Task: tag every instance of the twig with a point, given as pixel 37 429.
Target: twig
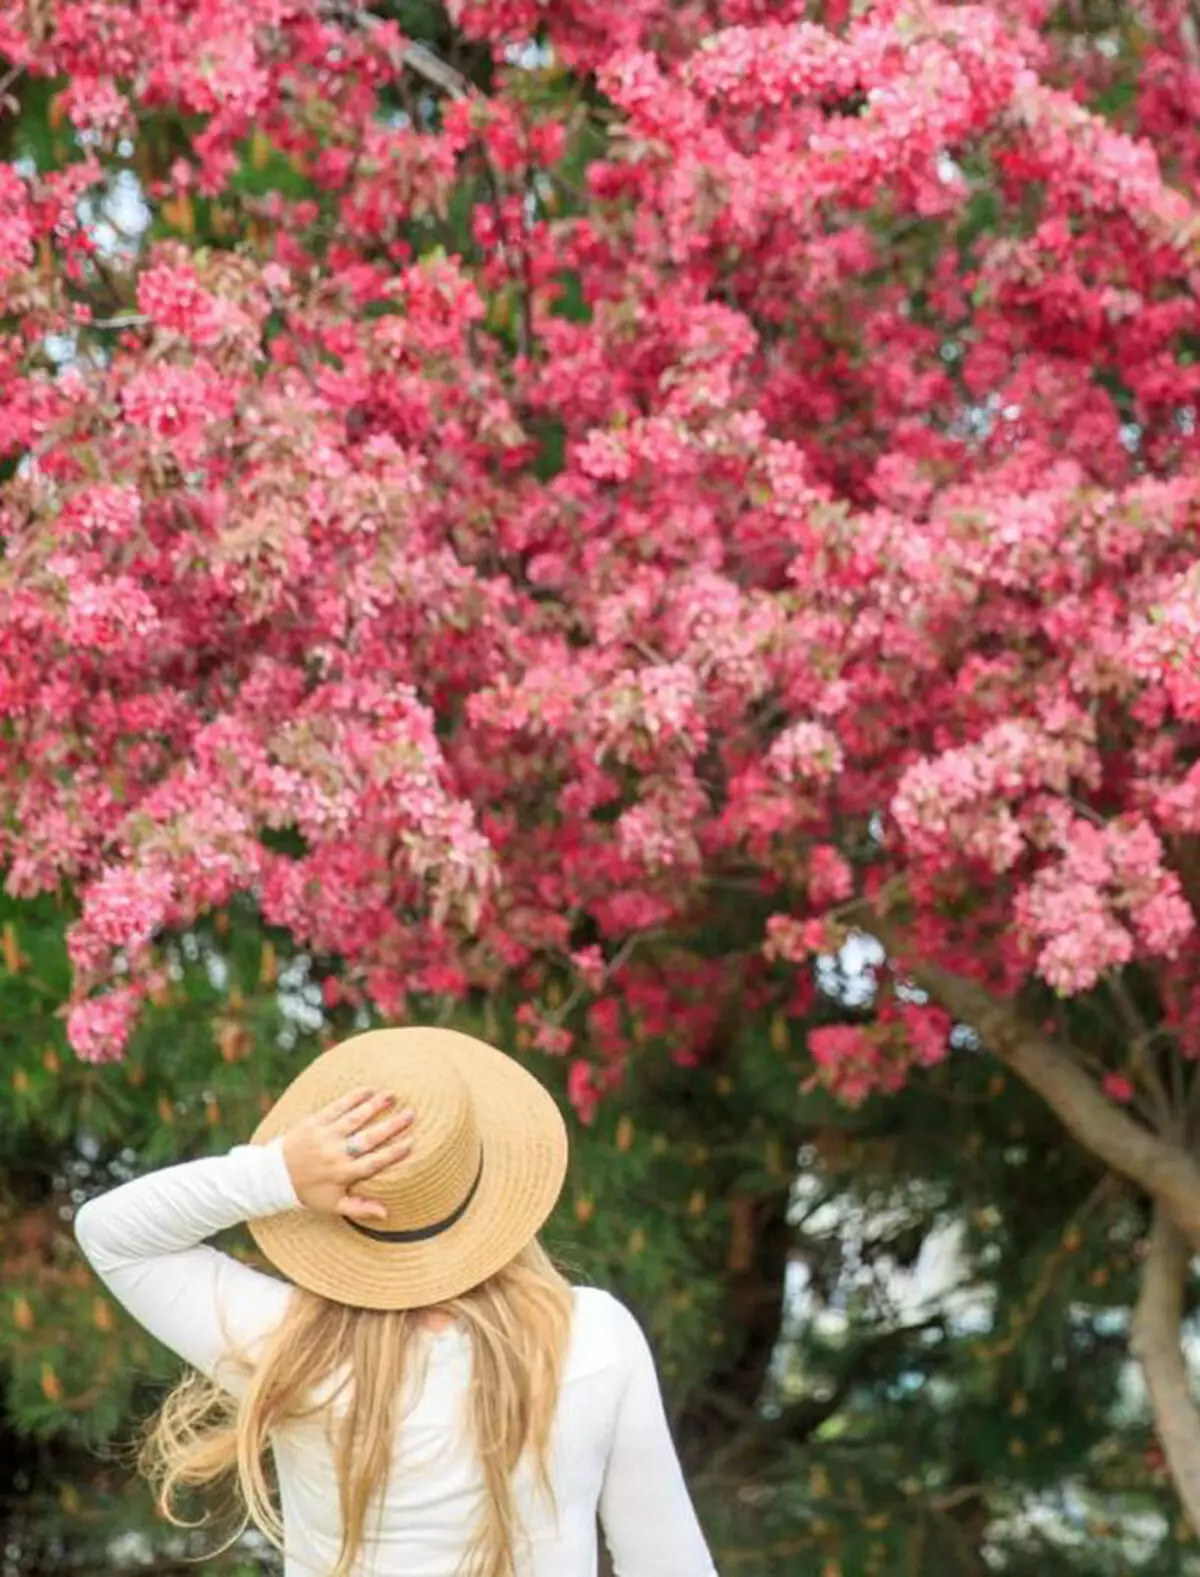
pixel 1107 1187
pixel 956 1497
pixel 132 320
pixel 915 1549
pixel 620 957
pixel 1086 811
pixel 1142 1035
pixel 1189 37
pixel 424 63
pixel 525 283
pixel 1193 1105
pixel 415 56
pixel 9 77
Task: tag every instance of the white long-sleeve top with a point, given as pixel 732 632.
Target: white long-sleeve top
pixel 611 1450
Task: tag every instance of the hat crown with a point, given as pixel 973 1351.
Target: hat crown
pixel 489 1153
pixel 436 1177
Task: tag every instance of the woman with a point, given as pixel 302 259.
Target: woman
pixel 437 1400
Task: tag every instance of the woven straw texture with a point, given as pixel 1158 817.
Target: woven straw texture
pixel 470 1101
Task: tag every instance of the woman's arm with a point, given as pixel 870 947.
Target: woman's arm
pixel 649 1522
pixel 145 1241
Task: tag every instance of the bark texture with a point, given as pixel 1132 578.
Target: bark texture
pixel 1157 1346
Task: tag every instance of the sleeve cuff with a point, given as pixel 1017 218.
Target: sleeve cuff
pixel 269 1177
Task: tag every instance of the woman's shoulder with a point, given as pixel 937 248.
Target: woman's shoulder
pixel 605 1332
pixel 600 1307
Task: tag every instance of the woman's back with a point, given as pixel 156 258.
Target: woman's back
pixel 609 1454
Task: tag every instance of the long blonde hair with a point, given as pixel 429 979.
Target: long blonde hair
pixel 518 1322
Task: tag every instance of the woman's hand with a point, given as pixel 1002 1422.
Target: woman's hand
pixel 331 1152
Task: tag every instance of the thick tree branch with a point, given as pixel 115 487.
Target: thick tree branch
pixel 1163 1169
pixel 1157 1347
pixel 873 1359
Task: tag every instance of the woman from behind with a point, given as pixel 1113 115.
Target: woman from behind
pixel 424 1395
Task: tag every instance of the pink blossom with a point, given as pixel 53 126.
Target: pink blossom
pixel 102 512
pixel 1118 1088
pixel 16 223
pixel 589 962
pixel 851 1064
pixel 108 615
pixel 96 104
pixel 927 1028
pixel 583 1091
pixel 98 1028
pixel 125 907
pixel 830 878
pixel 1164 921
pixel 806 751
pixel 792 939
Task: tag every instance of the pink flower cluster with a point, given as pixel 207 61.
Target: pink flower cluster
pixel 99 1028
pixel 646 557
pixel 1164 647
pixel 106 616
pixel 857 1061
pixel 1108 896
pixel 805 751
pixel 18 231
pixel 965 801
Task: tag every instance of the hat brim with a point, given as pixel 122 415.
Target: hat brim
pixel 525 1151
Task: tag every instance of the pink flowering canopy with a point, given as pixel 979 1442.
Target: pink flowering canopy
pixel 611 510
pixel 727 465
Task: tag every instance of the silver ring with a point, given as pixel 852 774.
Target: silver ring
pixel 353 1148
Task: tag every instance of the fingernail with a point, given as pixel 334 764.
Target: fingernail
pixel 407 1115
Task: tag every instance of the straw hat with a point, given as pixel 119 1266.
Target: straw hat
pixel 488 1160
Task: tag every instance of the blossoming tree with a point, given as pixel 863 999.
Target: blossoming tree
pixel 731 460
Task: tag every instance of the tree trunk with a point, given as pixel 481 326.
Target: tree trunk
pixel 1163 1169
pixel 1157 1346
pixel 754 1314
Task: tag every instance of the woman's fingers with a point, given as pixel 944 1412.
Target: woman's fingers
pixel 344 1104
pixel 384 1155
pixel 358 1115
pixel 355 1208
pixel 368 1140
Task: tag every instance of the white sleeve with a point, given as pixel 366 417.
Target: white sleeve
pixel 144 1240
pixel 649 1523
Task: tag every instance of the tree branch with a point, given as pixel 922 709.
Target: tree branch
pixel 1156 1345
pixel 1142 1036
pixel 871 1360
pixel 6 82
pixel 428 65
pixel 1163 1169
pixel 415 56
pixel 1051 1266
